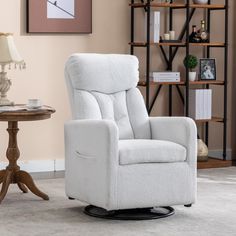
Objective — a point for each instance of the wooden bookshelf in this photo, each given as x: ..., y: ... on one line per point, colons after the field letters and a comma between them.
x: 169, y: 50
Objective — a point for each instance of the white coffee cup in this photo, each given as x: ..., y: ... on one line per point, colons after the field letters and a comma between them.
x: 34, y: 103
x: 167, y: 36
x: 172, y: 35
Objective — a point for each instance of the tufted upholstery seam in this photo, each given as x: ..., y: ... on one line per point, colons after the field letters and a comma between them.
x: 92, y: 93
x: 128, y: 110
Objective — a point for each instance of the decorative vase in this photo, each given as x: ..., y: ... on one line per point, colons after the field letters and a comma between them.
x: 192, y: 75
x: 200, y: 1
x: 202, y: 151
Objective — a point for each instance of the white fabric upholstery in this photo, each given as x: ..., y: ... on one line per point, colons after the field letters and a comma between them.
x: 91, y: 149
x: 113, y: 107
x: 97, y: 94
x: 158, y: 184
x: 103, y: 73
x: 116, y: 156
x: 180, y: 130
x: 137, y: 151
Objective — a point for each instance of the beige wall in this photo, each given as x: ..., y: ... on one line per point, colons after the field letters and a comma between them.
x: 45, y: 56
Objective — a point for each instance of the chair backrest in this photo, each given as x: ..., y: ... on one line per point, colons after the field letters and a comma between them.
x: 103, y: 86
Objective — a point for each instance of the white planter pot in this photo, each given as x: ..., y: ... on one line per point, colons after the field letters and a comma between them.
x: 192, y: 75
x: 200, y: 1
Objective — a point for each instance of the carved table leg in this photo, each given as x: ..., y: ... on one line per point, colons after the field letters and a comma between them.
x: 2, y: 175
x: 13, y: 174
x: 13, y: 152
x: 6, y: 182
x: 22, y: 187
x: 25, y: 178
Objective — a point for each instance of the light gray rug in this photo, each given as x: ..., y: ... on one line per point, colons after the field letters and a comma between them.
x: 213, y: 215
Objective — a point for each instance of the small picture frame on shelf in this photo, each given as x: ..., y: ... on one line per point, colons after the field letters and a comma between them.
x: 207, y: 69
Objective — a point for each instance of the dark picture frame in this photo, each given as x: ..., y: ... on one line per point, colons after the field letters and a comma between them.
x: 61, y: 16
x: 207, y: 69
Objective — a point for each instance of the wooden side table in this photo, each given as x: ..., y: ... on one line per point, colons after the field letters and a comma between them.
x: 12, y: 174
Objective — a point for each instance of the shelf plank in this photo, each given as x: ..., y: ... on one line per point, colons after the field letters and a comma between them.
x: 202, y: 82
x: 182, y: 44
x: 154, y: 5
x: 143, y: 83
x: 211, y: 6
x: 183, y: 83
x: 178, y: 5
x: 213, y: 119
x: 214, y: 163
x: 169, y: 44
x: 137, y: 44
x: 208, y: 44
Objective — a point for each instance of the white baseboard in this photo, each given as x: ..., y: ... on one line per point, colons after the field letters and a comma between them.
x: 39, y: 166
x: 219, y: 155
x: 59, y: 164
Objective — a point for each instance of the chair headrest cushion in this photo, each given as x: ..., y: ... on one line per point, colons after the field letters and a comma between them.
x: 105, y: 73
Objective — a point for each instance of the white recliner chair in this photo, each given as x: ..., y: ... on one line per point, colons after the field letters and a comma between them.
x: 116, y: 156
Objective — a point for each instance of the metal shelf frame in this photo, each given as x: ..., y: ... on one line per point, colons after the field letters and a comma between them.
x: 189, y: 10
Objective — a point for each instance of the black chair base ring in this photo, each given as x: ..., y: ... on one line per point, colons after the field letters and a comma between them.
x: 130, y: 214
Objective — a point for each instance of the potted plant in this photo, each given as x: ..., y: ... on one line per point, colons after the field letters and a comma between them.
x: 191, y: 63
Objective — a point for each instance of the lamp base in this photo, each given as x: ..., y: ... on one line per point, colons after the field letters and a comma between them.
x: 6, y: 102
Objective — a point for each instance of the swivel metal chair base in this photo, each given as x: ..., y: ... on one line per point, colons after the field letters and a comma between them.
x: 130, y: 214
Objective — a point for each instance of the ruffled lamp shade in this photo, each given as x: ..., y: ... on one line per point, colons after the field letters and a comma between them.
x: 8, y: 55
x: 8, y: 51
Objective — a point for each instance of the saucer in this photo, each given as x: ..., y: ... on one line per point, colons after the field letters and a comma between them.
x: 33, y: 107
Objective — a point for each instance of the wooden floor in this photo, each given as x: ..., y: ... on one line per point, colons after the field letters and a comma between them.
x: 214, y: 163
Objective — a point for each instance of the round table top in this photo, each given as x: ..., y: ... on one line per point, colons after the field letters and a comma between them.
x: 24, y: 114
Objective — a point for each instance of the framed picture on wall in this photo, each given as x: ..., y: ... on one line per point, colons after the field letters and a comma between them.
x: 207, y: 69
x: 59, y: 16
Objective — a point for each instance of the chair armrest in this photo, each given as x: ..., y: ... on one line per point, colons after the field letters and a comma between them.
x: 91, y: 161
x: 91, y: 139
x: 181, y: 130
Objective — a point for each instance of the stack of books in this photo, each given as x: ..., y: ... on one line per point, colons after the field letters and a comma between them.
x: 200, y: 104
x: 154, y: 26
x: 165, y: 76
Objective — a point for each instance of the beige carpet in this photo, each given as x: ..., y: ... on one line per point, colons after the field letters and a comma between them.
x: 213, y: 215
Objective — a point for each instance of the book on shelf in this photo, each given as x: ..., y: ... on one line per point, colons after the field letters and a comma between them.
x: 154, y: 26
x: 200, y: 104
x: 165, y: 76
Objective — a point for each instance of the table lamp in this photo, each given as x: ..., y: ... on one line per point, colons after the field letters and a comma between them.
x: 8, y: 56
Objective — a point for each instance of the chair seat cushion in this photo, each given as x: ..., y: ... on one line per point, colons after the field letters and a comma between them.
x: 138, y: 151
